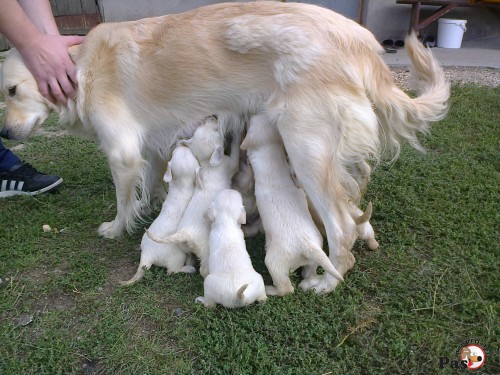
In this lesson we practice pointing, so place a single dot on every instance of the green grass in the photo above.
(432, 284)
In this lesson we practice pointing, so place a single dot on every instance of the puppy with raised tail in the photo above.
(232, 280)
(217, 169)
(292, 238)
(180, 175)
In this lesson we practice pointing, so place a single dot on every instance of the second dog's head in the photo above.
(227, 203)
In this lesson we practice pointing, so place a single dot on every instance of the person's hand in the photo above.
(48, 60)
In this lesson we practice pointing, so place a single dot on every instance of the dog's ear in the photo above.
(216, 157)
(210, 214)
(247, 142)
(167, 177)
(74, 52)
(243, 216)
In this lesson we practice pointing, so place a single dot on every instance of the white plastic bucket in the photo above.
(450, 32)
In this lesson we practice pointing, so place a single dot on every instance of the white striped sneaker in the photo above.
(26, 180)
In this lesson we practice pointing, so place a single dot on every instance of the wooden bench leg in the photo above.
(415, 16)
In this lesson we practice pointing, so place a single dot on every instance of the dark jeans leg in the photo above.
(7, 159)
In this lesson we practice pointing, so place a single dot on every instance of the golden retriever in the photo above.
(314, 73)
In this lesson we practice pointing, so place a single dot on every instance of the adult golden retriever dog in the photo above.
(316, 75)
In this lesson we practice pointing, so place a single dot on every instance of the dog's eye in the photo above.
(12, 91)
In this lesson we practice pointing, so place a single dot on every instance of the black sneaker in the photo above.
(26, 180)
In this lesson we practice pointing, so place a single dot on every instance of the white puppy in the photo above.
(217, 169)
(244, 183)
(232, 280)
(292, 239)
(181, 173)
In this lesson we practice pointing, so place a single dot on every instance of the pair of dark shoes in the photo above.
(26, 180)
(392, 45)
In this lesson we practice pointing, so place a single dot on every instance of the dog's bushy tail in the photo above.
(401, 117)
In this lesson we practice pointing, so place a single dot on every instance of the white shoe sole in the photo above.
(11, 193)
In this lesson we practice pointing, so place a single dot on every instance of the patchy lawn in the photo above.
(432, 285)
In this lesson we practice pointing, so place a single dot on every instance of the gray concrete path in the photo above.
(468, 55)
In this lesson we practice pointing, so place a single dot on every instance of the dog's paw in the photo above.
(200, 299)
(188, 269)
(320, 284)
(271, 290)
(372, 244)
(344, 262)
(310, 282)
(110, 230)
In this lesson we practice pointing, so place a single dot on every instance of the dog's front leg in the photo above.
(126, 171)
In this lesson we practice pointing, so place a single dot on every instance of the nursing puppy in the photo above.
(244, 183)
(292, 239)
(232, 280)
(180, 175)
(318, 76)
(215, 174)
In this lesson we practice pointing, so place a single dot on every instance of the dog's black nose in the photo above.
(4, 133)
(479, 358)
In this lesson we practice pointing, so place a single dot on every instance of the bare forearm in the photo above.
(40, 13)
(16, 25)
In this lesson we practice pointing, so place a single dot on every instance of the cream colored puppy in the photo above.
(180, 175)
(217, 169)
(232, 280)
(244, 183)
(292, 239)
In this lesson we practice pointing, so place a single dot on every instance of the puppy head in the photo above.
(207, 142)
(227, 203)
(182, 164)
(26, 108)
(261, 131)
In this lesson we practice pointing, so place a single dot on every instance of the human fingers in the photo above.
(57, 92)
(67, 86)
(72, 40)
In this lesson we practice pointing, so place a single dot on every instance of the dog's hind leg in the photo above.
(311, 149)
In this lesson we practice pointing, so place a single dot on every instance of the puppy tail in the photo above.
(365, 217)
(179, 237)
(241, 291)
(400, 116)
(252, 292)
(319, 256)
(138, 276)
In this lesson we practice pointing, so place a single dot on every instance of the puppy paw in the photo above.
(345, 262)
(188, 269)
(372, 244)
(319, 284)
(200, 299)
(310, 282)
(271, 290)
(110, 229)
